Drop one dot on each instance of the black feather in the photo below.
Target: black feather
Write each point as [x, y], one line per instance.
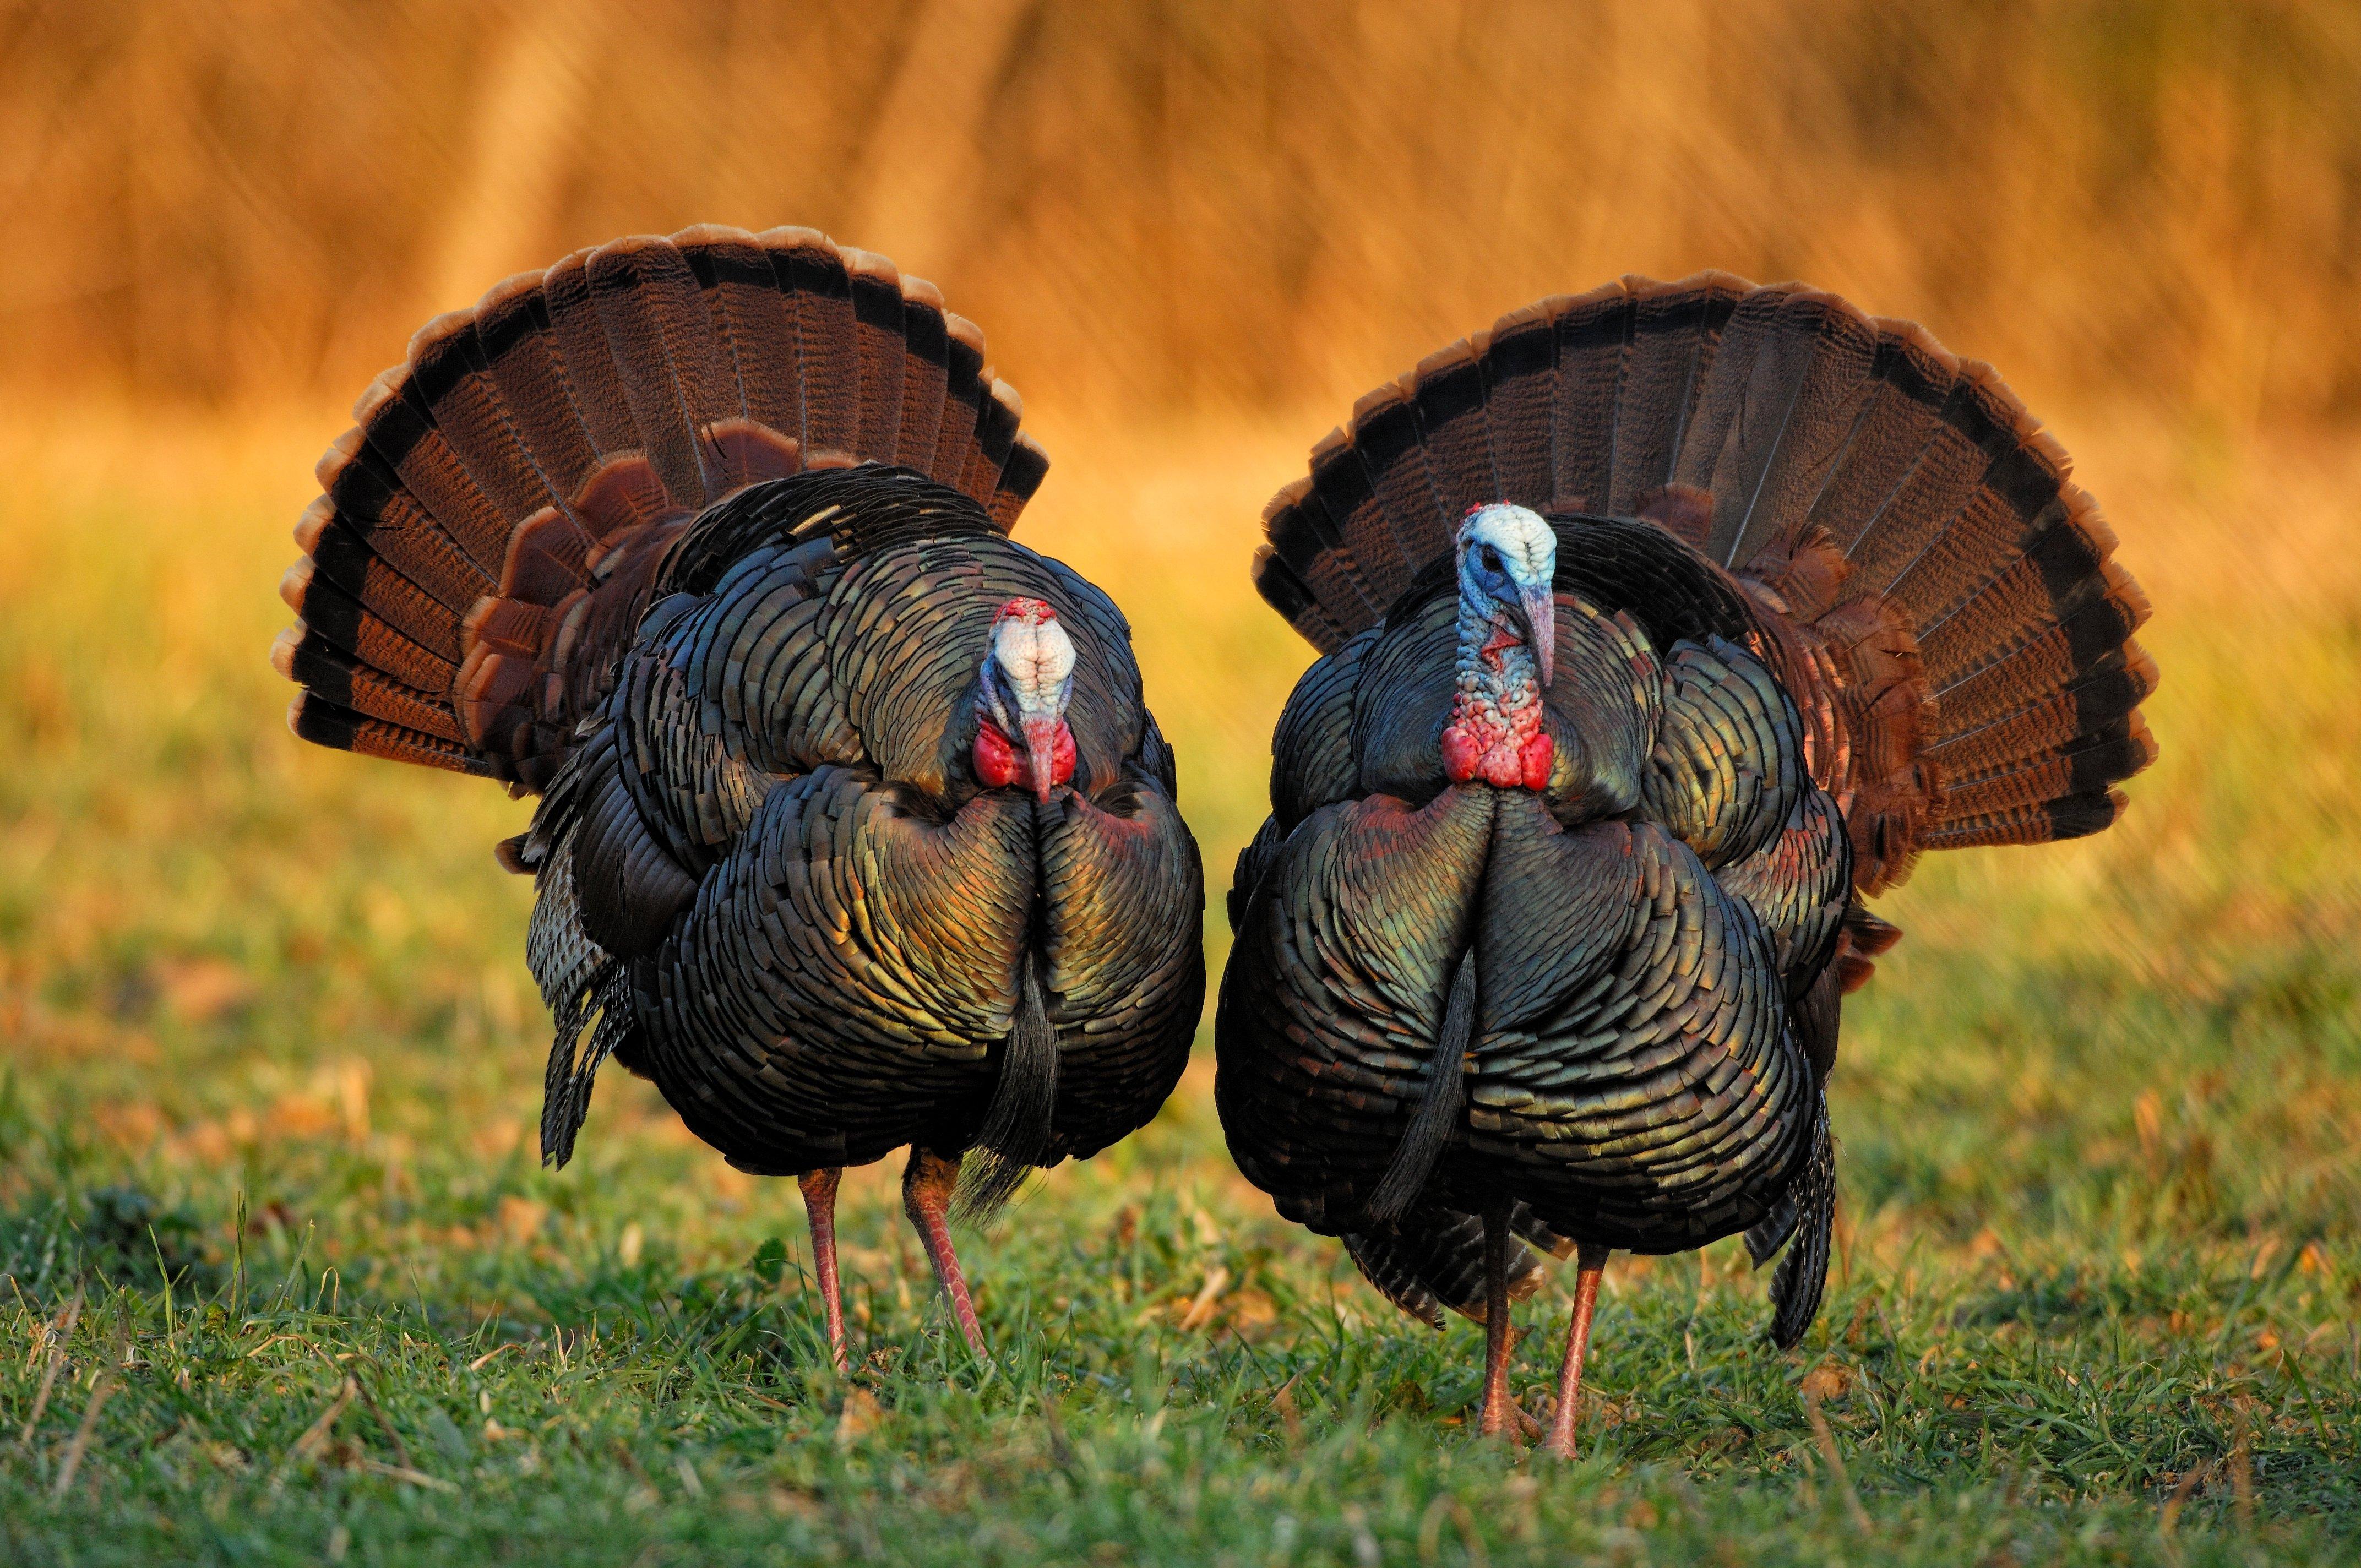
[605, 1006]
[1442, 1110]
[1803, 1274]
[1016, 1139]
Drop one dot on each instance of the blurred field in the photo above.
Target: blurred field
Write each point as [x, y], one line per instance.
[1155, 206]
[271, 1036]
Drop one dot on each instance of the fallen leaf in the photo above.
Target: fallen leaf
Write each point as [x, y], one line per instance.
[201, 990]
[521, 1218]
[1201, 1309]
[860, 1418]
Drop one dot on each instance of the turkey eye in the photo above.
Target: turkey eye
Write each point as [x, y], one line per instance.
[1491, 559]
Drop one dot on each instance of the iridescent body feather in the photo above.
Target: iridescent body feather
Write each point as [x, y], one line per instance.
[1819, 596]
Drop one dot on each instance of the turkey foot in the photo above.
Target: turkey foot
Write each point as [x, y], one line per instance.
[926, 1183]
[819, 1208]
[1589, 1264]
[1500, 1243]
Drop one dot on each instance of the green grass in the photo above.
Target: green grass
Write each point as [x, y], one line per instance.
[274, 1062]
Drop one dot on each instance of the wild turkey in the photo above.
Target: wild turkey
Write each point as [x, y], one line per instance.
[1660, 628]
[853, 831]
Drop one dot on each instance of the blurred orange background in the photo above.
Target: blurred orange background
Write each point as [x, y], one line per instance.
[1212, 204]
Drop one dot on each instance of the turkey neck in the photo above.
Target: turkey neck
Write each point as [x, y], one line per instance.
[1496, 708]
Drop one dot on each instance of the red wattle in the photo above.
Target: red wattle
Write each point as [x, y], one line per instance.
[999, 763]
[995, 759]
[1461, 754]
[1534, 758]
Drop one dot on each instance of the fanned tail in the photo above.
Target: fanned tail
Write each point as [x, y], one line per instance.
[489, 530]
[1939, 595]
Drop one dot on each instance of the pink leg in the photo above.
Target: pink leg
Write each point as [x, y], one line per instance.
[927, 1184]
[819, 1208]
[1590, 1262]
[1499, 1244]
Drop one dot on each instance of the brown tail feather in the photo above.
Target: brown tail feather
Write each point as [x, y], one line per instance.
[1912, 378]
[491, 528]
[1447, 395]
[1907, 524]
[963, 395]
[995, 437]
[314, 718]
[1308, 563]
[2018, 606]
[1385, 436]
[2052, 821]
[360, 512]
[524, 362]
[2078, 708]
[1020, 477]
[756, 322]
[926, 372]
[1679, 397]
[2073, 767]
[1800, 404]
[335, 617]
[446, 376]
[1369, 551]
[394, 420]
[375, 590]
[345, 556]
[576, 339]
[1518, 364]
[321, 668]
[1296, 602]
[674, 371]
[812, 270]
[1594, 331]
[882, 341]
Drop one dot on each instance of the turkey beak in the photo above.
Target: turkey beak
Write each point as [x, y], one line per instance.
[1040, 751]
[1537, 607]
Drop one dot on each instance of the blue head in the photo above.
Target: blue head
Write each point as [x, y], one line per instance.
[1508, 565]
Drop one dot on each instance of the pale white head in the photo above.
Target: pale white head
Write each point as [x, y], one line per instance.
[1508, 564]
[1025, 681]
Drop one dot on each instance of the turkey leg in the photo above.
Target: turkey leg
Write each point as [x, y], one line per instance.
[819, 1208]
[1590, 1262]
[1499, 1244]
[926, 1183]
